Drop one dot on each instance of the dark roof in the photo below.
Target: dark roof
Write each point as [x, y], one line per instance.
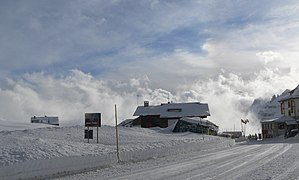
[172, 110]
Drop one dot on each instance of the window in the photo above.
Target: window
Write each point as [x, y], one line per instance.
[293, 106]
[174, 110]
[280, 126]
[282, 108]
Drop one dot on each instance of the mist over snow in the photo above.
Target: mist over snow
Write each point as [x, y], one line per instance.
[69, 97]
[66, 58]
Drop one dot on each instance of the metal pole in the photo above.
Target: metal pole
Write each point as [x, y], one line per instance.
[87, 134]
[116, 132]
[245, 130]
[241, 127]
[98, 134]
[203, 138]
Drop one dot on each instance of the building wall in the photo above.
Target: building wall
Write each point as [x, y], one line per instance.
[153, 121]
[296, 114]
[137, 122]
[183, 126]
[273, 129]
[156, 121]
[290, 108]
[172, 121]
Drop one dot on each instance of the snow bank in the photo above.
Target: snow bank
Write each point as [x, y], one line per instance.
[60, 150]
[12, 125]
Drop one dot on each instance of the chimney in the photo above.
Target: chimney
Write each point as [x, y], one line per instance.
[146, 103]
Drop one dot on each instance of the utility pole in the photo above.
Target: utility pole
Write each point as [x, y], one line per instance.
[116, 132]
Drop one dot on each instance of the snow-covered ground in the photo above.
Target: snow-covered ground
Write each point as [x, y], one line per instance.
[270, 159]
[62, 153]
[55, 151]
[12, 126]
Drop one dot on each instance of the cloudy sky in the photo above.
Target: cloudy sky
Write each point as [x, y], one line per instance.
[69, 57]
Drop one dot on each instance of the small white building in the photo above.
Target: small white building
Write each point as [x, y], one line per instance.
[53, 120]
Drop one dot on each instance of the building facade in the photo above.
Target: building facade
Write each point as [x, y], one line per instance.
[45, 120]
[165, 115]
[289, 109]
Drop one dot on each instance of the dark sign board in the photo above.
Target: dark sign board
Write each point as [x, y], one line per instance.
[88, 134]
[93, 119]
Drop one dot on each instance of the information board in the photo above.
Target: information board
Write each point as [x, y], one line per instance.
[93, 119]
[88, 134]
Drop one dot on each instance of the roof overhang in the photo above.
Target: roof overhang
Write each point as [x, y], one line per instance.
[284, 119]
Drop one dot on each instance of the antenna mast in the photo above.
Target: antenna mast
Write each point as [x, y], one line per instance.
[138, 96]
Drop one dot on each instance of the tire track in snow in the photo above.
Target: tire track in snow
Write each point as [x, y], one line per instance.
[200, 162]
[253, 162]
[229, 164]
[230, 167]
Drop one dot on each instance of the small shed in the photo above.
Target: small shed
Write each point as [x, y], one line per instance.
[53, 120]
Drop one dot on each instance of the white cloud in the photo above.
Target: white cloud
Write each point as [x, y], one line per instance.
[73, 34]
[269, 56]
[256, 46]
[69, 97]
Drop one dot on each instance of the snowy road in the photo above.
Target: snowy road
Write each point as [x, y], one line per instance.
[250, 161]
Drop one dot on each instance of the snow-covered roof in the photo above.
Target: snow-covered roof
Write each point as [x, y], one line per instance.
[284, 119]
[293, 94]
[171, 110]
[127, 122]
[198, 120]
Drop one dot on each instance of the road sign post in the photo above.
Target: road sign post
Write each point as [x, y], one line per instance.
[92, 120]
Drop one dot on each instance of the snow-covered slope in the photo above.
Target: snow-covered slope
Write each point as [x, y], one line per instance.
[12, 125]
[50, 150]
[51, 142]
